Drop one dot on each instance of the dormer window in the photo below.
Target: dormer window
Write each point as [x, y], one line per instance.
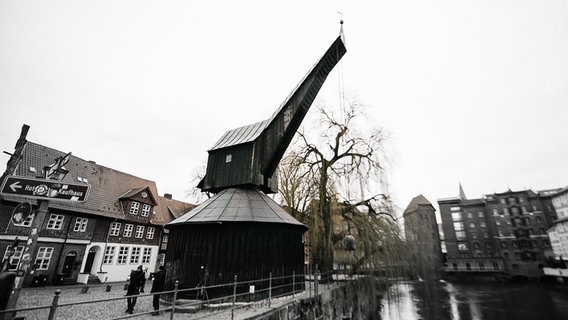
[146, 210]
[134, 206]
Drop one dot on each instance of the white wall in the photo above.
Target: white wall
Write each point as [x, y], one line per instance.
[114, 272]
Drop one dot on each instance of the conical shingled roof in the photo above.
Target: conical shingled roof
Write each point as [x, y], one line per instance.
[238, 205]
[415, 203]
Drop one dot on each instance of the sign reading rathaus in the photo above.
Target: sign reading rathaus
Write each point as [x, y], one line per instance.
[44, 189]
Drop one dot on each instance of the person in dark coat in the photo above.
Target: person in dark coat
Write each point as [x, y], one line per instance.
[136, 285]
[158, 286]
[7, 279]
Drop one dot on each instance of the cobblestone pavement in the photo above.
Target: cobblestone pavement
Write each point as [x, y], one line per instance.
[86, 309]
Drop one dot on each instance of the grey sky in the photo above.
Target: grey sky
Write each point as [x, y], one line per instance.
[471, 91]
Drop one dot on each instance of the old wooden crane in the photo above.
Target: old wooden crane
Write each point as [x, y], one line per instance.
[249, 155]
[241, 231]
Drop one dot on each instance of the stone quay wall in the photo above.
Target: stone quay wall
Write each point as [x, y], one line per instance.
[352, 300]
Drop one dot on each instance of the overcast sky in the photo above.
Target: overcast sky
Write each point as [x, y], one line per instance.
[471, 91]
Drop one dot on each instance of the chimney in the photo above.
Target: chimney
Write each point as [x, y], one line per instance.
[168, 196]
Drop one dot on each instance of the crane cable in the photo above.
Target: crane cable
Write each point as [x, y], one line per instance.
[341, 92]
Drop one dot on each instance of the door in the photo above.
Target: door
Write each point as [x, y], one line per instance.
[90, 259]
[69, 263]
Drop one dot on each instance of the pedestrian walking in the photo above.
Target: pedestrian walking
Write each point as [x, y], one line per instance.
[136, 285]
[6, 284]
[158, 286]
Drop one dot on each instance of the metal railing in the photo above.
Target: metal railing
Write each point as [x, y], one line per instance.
[276, 287]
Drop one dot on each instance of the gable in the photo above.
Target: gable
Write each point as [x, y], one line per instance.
[142, 195]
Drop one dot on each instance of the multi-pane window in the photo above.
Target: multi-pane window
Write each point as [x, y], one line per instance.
[146, 210]
[139, 231]
[146, 255]
[458, 226]
[128, 230]
[460, 235]
[122, 255]
[134, 206]
[55, 222]
[457, 216]
[43, 257]
[165, 239]
[14, 256]
[80, 224]
[135, 255]
[150, 233]
[109, 255]
[114, 229]
[27, 222]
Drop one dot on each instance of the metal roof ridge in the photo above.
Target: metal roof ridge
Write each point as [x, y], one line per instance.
[229, 201]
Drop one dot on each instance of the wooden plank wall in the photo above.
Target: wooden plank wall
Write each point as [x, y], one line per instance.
[249, 250]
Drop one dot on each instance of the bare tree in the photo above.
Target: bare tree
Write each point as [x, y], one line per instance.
[327, 167]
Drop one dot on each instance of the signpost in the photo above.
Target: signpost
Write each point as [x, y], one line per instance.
[57, 167]
[44, 189]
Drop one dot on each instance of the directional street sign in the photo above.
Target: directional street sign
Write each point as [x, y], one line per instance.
[44, 189]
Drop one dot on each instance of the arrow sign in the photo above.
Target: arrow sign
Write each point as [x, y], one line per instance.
[44, 189]
[15, 186]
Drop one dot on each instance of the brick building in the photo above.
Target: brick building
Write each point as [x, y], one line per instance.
[501, 235]
[119, 225]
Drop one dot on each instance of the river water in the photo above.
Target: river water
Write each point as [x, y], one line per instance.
[488, 301]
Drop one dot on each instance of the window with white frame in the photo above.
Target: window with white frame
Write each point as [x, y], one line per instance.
[80, 224]
[109, 255]
[165, 239]
[134, 206]
[122, 255]
[128, 230]
[114, 229]
[146, 255]
[27, 222]
[146, 210]
[139, 232]
[43, 257]
[14, 256]
[135, 255]
[55, 222]
[150, 233]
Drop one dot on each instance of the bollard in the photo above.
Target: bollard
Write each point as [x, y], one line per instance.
[316, 275]
[293, 282]
[310, 287]
[85, 289]
[234, 299]
[270, 290]
[174, 300]
[54, 304]
[108, 288]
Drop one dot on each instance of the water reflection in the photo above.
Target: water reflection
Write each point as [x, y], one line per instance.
[490, 301]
